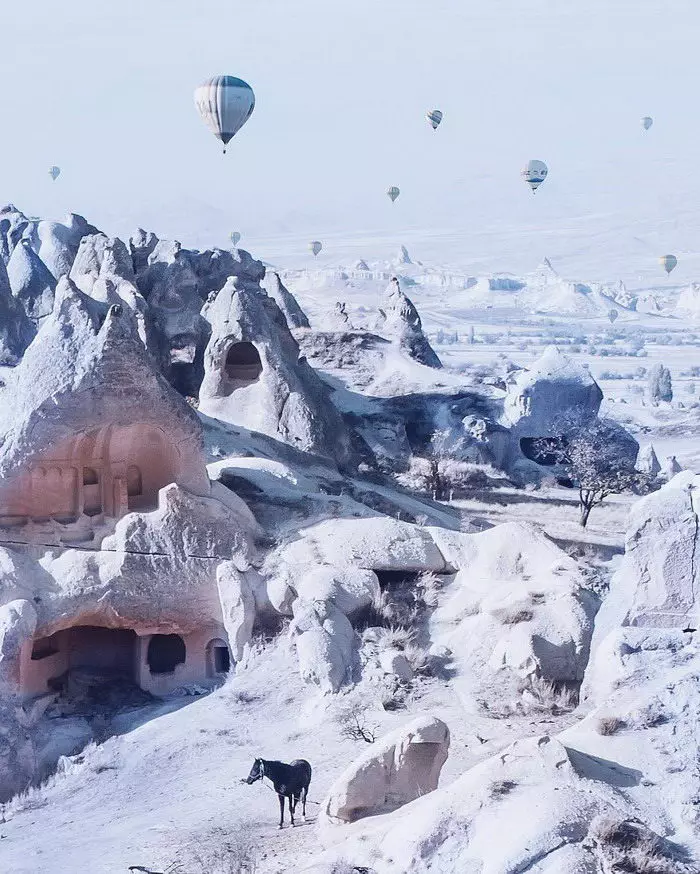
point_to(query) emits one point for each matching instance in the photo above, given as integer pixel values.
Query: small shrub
(501, 788)
(355, 720)
(515, 616)
(418, 658)
(608, 725)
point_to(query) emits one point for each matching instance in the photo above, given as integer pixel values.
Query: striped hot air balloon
(534, 174)
(434, 117)
(668, 262)
(393, 193)
(54, 172)
(225, 104)
(315, 247)
(235, 238)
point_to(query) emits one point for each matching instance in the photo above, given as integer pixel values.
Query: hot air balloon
(54, 172)
(315, 247)
(647, 122)
(393, 193)
(235, 238)
(434, 117)
(668, 262)
(225, 104)
(534, 174)
(612, 316)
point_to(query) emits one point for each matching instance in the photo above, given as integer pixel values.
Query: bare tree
(594, 458)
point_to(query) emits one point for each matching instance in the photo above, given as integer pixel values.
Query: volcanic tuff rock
(401, 323)
(255, 378)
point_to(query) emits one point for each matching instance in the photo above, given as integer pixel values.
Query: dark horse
(290, 781)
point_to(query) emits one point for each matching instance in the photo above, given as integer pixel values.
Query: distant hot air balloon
(668, 262)
(647, 122)
(434, 117)
(612, 316)
(315, 247)
(225, 104)
(534, 174)
(393, 193)
(235, 238)
(54, 172)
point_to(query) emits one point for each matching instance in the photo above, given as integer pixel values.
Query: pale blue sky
(105, 91)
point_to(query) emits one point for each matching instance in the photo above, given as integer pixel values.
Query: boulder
(326, 644)
(351, 589)
(402, 324)
(400, 767)
(238, 607)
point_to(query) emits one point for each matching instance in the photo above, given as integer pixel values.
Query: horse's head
(257, 772)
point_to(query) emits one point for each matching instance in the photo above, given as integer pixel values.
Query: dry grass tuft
(608, 725)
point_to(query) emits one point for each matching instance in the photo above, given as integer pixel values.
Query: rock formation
(285, 300)
(647, 461)
(31, 281)
(16, 329)
(398, 768)
(402, 324)
(255, 378)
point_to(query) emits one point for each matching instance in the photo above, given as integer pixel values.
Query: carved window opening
(165, 653)
(243, 365)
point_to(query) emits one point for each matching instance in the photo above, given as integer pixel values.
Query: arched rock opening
(545, 451)
(109, 471)
(218, 657)
(165, 653)
(100, 655)
(242, 365)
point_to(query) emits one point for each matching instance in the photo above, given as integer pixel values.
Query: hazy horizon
(342, 93)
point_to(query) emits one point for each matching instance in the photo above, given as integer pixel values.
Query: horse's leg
(281, 798)
(303, 802)
(292, 806)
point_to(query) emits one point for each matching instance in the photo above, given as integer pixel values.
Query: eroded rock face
(87, 370)
(517, 606)
(285, 300)
(57, 243)
(399, 768)
(451, 829)
(16, 329)
(326, 644)
(658, 583)
(255, 378)
(553, 388)
(31, 281)
(402, 324)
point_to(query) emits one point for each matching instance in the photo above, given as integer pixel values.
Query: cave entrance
(218, 658)
(545, 451)
(243, 365)
(165, 653)
(82, 658)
